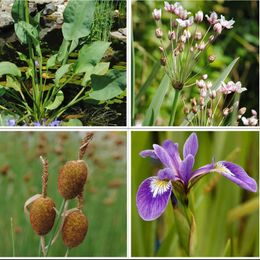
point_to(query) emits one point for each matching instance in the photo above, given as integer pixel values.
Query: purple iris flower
(11, 122)
(154, 192)
(55, 123)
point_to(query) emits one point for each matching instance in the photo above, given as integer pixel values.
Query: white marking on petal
(220, 167)
(158, 187)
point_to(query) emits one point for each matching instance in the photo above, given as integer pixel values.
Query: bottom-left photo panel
(59, 194)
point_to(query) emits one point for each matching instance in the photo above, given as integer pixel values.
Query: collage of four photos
(129, 128)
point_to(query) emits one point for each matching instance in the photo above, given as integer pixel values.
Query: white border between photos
(129, 129)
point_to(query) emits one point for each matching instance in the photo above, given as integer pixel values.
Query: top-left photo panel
(63, 63)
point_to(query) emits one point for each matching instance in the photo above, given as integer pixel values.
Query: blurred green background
(241, 41)
(224, 212)
(105, 191)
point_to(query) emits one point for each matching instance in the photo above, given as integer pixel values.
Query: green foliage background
(105, 191)
(227, 217)
(241, 41)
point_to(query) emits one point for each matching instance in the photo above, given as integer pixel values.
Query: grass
(105, 192)
(227, 217)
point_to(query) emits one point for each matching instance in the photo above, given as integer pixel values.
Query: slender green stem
(12, 234)
(56, 226)
(67, 252)
(174, 107)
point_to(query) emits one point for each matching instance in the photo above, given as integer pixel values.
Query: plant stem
(174, 107)
(43, 245)
(67, 252)
(12, 235)
(56, 226)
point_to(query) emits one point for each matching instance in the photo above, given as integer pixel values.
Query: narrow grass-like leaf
(215, 87)
(227, 251)
(154, 108)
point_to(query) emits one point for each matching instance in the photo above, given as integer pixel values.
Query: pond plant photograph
(195, 63)
(59, 194)
(195, 194)
(63, 63)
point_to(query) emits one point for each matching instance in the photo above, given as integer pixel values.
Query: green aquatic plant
(38, 102)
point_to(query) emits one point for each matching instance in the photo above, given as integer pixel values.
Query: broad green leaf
(24, 30)
(72, 122)
(8, 68)
(78, 19)
(57, 101)
(154, 108)
(90, 54)
(108, 86)
(51, 61)
(12, 83)
(2, 90)
(61, 72)
(100, 69)
(18, 10)
(215, 87)
(73, 45)
(63, 51)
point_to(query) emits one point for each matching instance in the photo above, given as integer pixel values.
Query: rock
(119, 35)
(6, 19)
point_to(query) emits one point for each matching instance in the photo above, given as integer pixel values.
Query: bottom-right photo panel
(195, 193)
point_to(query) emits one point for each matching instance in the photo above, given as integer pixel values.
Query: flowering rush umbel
(154, 192)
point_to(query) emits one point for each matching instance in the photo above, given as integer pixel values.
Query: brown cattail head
(42, 215)
(72, 178)
(74, 229)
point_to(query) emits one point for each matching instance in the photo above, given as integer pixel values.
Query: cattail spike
(85, 142)
(44, 176)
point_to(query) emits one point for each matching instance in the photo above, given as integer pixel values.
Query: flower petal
(166, 174)
(148, 153)
(191, 145)
(163, 156)
(186, 168)
(152, 198)
(173, 152)
(203, 170)
(236, 174)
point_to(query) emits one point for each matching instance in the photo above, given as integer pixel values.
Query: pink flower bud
(201, 83)
(205, 76)
(158, 33)
(211, 38)
(208, 84)
(161, 49)
(163, 61)
(157, 14)
(217, 28)
(203, 93)
(198, 17)
(171, 35)
(198, 35)
(202, 46)
(211, 58)
(242, 111)
(225, 111)
(254, 113)
(212, 94)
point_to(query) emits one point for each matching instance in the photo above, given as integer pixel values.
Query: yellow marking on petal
(221, 168)
(158, 187)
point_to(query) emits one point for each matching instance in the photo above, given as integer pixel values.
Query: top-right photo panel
(195, 63)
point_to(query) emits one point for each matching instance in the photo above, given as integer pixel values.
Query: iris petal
(191, 145)
(163, 156)
(152, 198)
(236, 174)
(166, 174)
(148, 153)
(186, 168)
(173, 152)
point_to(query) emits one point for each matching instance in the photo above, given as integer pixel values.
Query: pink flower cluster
(231, 87)
(251, 121)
